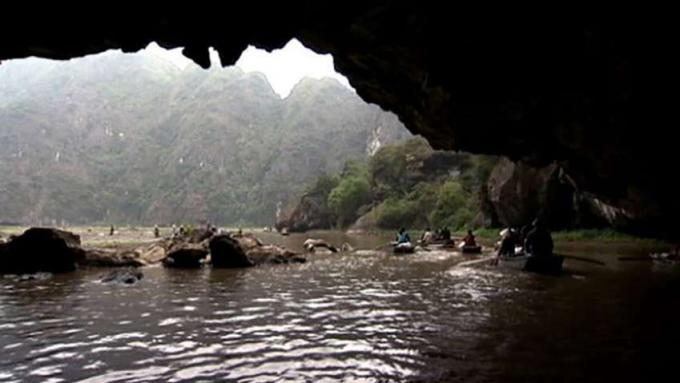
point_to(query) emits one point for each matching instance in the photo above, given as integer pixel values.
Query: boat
(516, 262)
(471, 249)
(450, 246)
(542, 265)
(404, 248)
(439, 242)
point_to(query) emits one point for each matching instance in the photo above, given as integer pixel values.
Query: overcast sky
(283, 67)
(286, 66)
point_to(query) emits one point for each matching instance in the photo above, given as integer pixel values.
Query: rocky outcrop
(517, 193)
(536, 89)
(311, 245)
(141, 256)
(309, 214)
(365, 223)
(228, 252)
(244, 251)
(41, 250)
(186, 255)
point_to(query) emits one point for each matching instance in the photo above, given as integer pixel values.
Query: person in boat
(469, 239)
(427, 236)
(539, 242)
(402, 237)
(523, 233)
(508, 243)
(437, 234)
(446, 234)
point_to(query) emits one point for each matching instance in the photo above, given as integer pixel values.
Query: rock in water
(186, 256)
(34, 277)
(41, 250)
(127, 277)
(245, 251)
(312, 244)
(226, 251)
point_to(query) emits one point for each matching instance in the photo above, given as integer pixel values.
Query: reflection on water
(351, 317)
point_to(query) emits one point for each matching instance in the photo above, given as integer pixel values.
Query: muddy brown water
(367, 316)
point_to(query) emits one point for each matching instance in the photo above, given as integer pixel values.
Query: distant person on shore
(156, 232)
(539, 242)
(403, 237)
(112, 231)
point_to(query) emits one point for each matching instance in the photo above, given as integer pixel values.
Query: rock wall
(517, 193)
(554, 88)
(310, 213)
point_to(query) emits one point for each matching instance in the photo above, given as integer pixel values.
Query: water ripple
(363, 317)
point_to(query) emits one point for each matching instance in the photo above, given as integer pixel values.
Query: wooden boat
(542, 265)
(404, 248)
(471, 249)
(516, 262)
(443, 246)
(440, 242)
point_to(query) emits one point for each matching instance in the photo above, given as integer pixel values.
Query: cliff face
(539, 89)
(135, 139)
(516, 194)
(310, 213)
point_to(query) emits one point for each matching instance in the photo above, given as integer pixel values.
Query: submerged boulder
(127, 277)
(41, 250)
(246, 250)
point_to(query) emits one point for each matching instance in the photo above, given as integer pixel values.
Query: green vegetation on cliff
(406, 184)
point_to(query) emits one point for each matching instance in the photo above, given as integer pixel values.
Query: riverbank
(133, 236)
(62, 250)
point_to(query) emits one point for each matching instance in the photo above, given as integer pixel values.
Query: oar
(476, 261)
(582, 259)
(383, 245)
(636, 258)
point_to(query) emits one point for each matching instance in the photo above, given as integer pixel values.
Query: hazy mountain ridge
(134, 138)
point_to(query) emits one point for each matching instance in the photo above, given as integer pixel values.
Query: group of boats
(520, 261)
(409, 248)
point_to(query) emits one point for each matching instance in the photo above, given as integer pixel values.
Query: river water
(366, 316)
